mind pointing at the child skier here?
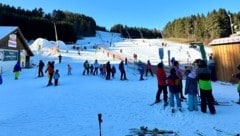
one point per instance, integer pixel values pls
(173, 82)
(191, 89)
(56, 76)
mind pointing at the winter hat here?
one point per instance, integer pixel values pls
(160, 65)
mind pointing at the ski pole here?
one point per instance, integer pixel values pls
(100, 121)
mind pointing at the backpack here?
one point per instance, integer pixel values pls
(173, 81)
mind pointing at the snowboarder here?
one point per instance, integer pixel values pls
(205, 86)
(173, 82)
(162, 87)
(17, 68)
(191, 89)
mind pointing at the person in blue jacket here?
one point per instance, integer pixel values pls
(141, 69)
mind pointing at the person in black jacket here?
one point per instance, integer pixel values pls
(40, 68)
(108, 68)
(122, 70)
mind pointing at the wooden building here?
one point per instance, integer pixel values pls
(226, 52)
(13, 48)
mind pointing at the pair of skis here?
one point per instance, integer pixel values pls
(218, 132)
(221, 103)
(144, 131)
(226, 133)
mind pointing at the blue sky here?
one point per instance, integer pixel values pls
(140, 13)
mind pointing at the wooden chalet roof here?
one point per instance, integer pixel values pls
(5, 31)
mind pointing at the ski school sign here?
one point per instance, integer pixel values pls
(12, 42)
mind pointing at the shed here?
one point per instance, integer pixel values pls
(226, 55)
(13, 48)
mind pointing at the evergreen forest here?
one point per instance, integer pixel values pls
(72, 26)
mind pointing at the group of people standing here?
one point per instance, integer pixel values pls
(106, 70)
(198, 76)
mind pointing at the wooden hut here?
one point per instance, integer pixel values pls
(13, 48)
(226, 55)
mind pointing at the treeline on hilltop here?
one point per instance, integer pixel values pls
(36, 23)
(136, 32)
(215, 24)
(72, 26)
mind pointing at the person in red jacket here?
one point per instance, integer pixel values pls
(50, 70)
(162, 86)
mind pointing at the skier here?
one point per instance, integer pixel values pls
(212, 67)
(172, 61)
(180, 76)
(141, 70)
(50, 70)
(60, 58)
(40, 68)
(205, 86)
(69, 69)
(238, 77)
(113, 71)
(161, 79)
(86, 68)
(96, 66)
(108, 68)
(56, 77)
(191, 89)
(17, 68)
(149, 68)
(122, 70)
(173, 82)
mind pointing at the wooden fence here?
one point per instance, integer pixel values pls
(227, 58)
